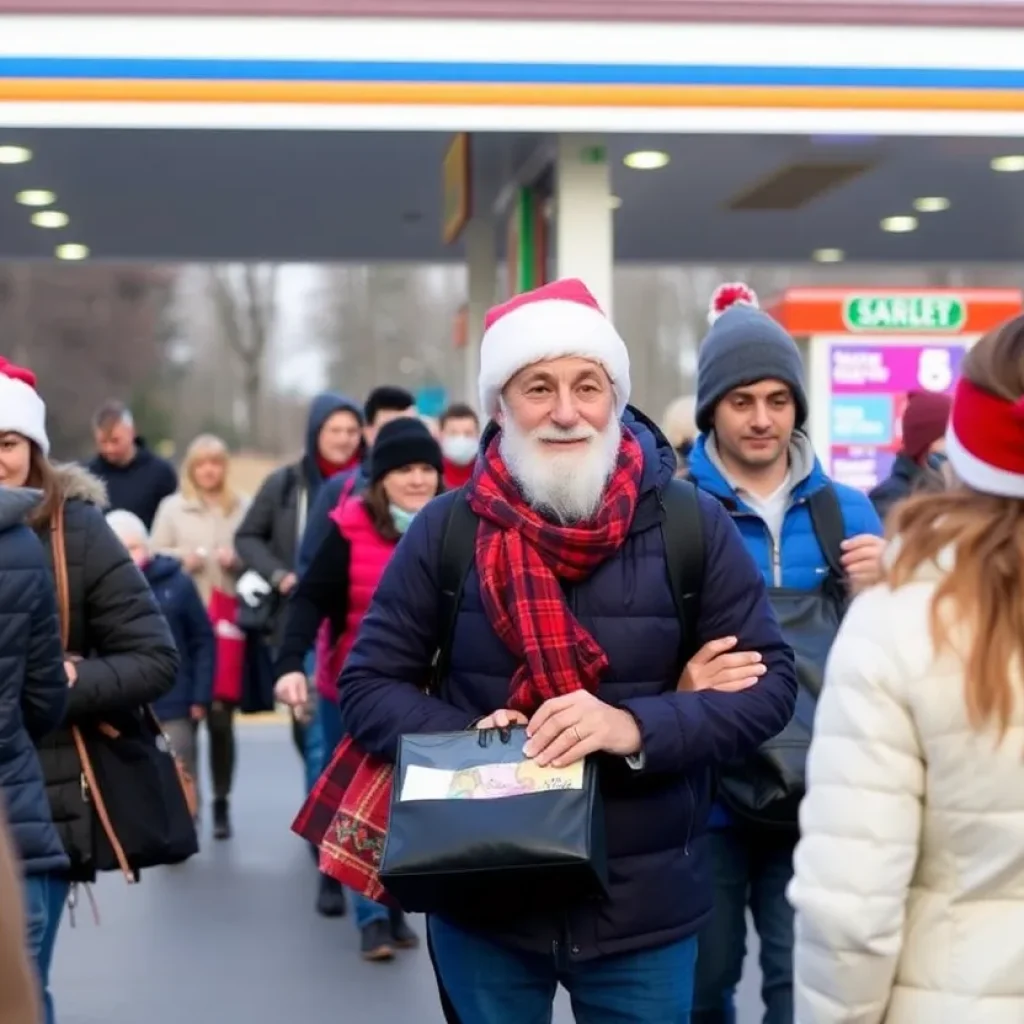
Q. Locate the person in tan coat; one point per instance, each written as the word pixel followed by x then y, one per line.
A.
pixel 197 526
pixel 19 998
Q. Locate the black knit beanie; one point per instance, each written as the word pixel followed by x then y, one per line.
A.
pixel 403 442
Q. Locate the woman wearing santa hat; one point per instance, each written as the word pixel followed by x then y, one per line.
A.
pixel 909 887
pixel 119 654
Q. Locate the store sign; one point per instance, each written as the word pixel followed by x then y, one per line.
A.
pixel 904 313
pixel 869 386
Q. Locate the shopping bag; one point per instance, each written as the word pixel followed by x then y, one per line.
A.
pixel 229 659
pixel 473 819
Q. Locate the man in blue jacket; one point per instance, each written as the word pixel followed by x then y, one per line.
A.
pixel 567 624
pixel 755 459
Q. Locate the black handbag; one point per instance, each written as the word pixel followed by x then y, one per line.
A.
pixel 766 790
pixel 135 783
pixel 473 818
pixel 142 798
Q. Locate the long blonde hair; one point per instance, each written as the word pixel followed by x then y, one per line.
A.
pixel 209 446
pixel 983 592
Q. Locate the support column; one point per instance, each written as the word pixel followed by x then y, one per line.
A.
pixel 584 226
pixel 482 273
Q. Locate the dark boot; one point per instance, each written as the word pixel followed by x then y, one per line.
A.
pixel 404 936
pixel 221 820
pixel 376 943
pixel 330 899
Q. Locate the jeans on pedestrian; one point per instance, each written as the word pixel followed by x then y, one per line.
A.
pixel 752 867
pixel 487 983
pixel 331 731
pixel 45 896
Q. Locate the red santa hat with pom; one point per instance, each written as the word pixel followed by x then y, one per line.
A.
pixel 551 322
pixel 22 411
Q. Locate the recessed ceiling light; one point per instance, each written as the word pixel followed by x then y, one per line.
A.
pixel 15 155
pixel 931 204
pixel 900 224
pixel 615 202
pixel 1008 164
pixel 50 219
pixel 646 160
pixel 35 197
pixel 828 255
pixel 71 251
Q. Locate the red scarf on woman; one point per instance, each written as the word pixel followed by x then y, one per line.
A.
pixel 520 558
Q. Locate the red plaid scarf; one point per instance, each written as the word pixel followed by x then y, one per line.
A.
pixel 520 558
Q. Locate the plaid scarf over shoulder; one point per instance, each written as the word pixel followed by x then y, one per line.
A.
pixel 520 559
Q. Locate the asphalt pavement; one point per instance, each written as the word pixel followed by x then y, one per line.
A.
pixel 232 935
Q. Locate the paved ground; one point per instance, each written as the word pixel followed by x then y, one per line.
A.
pixel 231 936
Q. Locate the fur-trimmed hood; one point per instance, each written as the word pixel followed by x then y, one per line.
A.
pixel 77 482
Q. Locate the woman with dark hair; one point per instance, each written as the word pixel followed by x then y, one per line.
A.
pixel 120 654
pixel 405 473
pixel 909 884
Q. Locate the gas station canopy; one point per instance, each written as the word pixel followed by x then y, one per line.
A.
pixel 204 194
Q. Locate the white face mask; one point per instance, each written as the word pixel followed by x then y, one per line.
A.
pixel 460 450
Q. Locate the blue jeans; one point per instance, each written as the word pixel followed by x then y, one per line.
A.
pixel 488 983
pixel 45 896
pixel 331 731
pixel 751 867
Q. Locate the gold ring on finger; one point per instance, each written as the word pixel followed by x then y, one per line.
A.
pixel 576 733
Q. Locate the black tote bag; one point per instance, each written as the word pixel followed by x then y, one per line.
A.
pixel 472 817
pixel 132 768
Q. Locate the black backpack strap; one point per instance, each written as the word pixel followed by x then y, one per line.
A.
pixel 683 531
pixel 458 549
pixel 829 528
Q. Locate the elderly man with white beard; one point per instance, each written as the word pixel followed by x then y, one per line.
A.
pixel 567 624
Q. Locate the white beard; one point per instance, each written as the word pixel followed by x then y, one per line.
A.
pixel 566 485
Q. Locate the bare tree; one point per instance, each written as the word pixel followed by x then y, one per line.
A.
pixel 244 300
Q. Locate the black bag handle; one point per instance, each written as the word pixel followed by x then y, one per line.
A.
pixel 682 530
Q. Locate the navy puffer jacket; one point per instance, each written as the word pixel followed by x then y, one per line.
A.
pixel 33 684
pixel 660 885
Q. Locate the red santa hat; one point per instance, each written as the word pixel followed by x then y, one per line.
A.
pixel 22 411
pixel 551 322
pixel 985 441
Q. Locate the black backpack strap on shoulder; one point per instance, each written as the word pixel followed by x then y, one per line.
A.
pixel 683 533
pixel 829 528
pixel 458 549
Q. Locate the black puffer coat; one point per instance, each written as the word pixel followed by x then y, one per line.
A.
pixel 116 627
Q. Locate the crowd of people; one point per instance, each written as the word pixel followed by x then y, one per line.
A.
pixel 791 710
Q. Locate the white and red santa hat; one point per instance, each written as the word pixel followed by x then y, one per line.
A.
pixel 985 441
pixel 22 411
pixel 551 322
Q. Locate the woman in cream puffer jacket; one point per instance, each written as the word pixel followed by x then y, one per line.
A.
pixel 909 881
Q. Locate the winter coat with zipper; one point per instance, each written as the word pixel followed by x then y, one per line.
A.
pixel 183 609
pixel 909 883
pixel 33 684
pixel 267 539
pixel 795 559
pixel 332 597
pixel 128 655
pixel 655 815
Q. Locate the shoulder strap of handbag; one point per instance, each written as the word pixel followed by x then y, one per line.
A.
pixel 58 548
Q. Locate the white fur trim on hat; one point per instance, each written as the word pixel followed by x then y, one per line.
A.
pixel 981 476
pixel 23 412
pixel 550 329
